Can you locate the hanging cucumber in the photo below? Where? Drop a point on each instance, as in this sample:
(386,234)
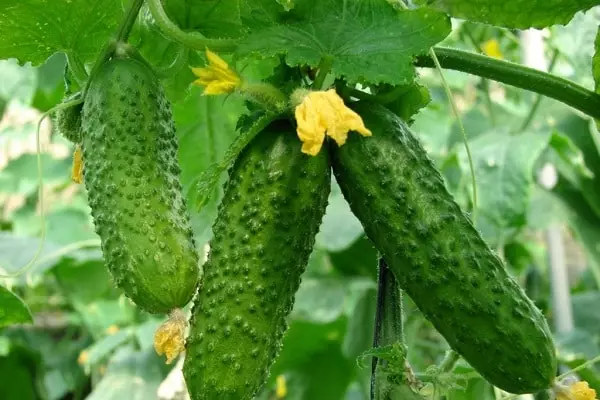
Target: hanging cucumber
(439,258)
(132,178)
(264,233)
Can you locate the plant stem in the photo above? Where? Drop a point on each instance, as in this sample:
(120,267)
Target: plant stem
(516,75)
(388,315)
(449,361)
(121,36)
(193,40)
(538,97)
(77,69)
(436,62)
(129,20)
(324,68)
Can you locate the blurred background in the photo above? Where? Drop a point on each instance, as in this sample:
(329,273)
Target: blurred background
(538,173)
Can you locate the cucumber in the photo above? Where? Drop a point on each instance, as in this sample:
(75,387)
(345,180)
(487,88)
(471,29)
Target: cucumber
(439,258)
(265,230)
(68,120)
(132,178)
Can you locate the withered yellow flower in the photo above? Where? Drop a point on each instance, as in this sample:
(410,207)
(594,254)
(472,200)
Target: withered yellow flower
(169,338)
(217,77)
(577,391)
(77,168)
(324,113)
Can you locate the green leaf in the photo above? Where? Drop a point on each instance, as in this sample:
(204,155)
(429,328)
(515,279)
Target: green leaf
(359,337)
(596,62)
(358,259)
(319,300)
(130,375)
(104,347)
(212,18)
(584,222)
(22,372)
(207,181)
(33,30)
(585,314)
(364,40)
(514,13)
(571,155)
(12,309)
(504,171)
(17,83)
(340,228)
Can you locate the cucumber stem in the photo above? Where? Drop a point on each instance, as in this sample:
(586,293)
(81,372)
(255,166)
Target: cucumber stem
(129,20)
(77,68)
(388,316)
(193,40)
(516,75)
(324,68)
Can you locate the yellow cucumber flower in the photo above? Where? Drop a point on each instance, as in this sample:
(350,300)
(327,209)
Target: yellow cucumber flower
(280,387)
(77,168)
(577,391)
(324,112)
(217,77)
(492,48)
(169,338)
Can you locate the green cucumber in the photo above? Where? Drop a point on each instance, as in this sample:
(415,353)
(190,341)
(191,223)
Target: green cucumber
(68,120)
(264,233)
(132,178)
(439,258)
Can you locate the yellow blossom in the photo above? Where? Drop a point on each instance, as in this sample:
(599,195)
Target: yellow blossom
(77,168)
(217,77)
(111,330)
(492,48)
(169,338)
(322,113)
(83,357)
(281,387)
(577,391)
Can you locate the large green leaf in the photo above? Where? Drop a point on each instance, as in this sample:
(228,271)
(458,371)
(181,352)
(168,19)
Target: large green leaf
(33,30)
(514,13)
(504,171)
(12,309)
(364,40)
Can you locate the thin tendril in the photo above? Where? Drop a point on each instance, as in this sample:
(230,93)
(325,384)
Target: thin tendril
(32,262)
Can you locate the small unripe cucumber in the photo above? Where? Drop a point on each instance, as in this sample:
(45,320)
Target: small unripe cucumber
(264,233)
(439,258)
(132,178)
(68,120)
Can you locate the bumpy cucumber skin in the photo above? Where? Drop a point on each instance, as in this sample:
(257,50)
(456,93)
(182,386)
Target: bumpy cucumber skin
(439,258)
(68,120)
(132,177)
(264,233)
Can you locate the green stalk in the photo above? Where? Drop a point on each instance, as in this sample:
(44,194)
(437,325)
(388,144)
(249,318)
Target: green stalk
(193,40)
(77,69)
(122,35)
(324,68)
(388,317)
(516,75)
